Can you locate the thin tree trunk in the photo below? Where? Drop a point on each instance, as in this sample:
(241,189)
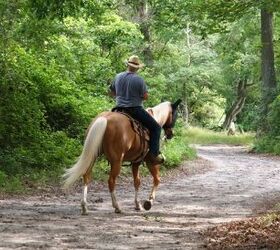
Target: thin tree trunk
(143,13)
(238,105)
(268,68)
(184,92)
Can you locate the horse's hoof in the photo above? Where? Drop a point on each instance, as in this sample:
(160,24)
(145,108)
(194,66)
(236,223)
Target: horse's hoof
(84,209)
(118,211)
(84,213)
(147,205)
(138,207)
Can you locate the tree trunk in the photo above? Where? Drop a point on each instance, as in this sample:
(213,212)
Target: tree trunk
(185,112)
(237,105)
(184,107)
(145,30)
(268,69)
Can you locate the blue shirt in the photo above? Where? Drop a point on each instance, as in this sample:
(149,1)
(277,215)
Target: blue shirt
(129,89)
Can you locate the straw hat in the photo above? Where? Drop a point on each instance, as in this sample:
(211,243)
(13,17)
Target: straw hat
(134,62)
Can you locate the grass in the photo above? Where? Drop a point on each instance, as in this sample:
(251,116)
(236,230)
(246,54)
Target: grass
(205,136)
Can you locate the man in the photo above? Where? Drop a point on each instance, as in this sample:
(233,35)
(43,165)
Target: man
(130,90)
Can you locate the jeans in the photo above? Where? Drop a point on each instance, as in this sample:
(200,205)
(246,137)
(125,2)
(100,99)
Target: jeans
(141,115)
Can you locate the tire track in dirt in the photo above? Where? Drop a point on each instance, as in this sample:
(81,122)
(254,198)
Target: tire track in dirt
(224,184)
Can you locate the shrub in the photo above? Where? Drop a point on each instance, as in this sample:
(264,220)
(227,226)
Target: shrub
(270,143)
(177,149)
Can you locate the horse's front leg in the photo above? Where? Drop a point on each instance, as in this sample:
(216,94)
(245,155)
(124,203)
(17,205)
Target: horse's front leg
(154,170)
(136,178)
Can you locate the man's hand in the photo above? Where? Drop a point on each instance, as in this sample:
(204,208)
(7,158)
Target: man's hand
(145,97)
(111,93)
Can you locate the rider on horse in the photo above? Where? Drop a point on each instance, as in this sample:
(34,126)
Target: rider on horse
(130,90)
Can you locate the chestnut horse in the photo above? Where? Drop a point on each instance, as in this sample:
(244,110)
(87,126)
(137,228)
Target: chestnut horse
(111,134)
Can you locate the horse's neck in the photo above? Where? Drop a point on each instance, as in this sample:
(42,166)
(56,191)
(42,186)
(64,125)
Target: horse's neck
(160,113)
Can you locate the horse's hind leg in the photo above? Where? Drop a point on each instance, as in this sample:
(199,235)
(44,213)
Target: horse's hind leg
(136,178)
(87,177)
(154,170)
(115,171)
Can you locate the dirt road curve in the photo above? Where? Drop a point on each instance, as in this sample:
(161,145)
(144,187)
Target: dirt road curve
(224,184)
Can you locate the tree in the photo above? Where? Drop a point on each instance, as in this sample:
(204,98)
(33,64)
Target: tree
(238,104)
(268,67)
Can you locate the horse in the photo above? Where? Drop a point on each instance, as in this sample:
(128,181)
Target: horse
(111,134)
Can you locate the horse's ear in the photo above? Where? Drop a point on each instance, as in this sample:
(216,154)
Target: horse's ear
(175,104)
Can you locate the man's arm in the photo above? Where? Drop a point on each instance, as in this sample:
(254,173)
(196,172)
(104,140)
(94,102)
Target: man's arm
(144,89)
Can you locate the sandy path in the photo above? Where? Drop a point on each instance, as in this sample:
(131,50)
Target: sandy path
(225,184)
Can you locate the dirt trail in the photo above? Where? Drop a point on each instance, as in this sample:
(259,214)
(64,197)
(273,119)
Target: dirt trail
(224,184)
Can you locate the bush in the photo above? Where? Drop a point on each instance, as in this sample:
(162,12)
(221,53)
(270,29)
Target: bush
(270,143)
(177,149)
(47,151)
(10,184)
(274,118)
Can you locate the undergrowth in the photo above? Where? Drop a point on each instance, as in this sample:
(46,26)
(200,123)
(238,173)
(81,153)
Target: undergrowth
(268,144)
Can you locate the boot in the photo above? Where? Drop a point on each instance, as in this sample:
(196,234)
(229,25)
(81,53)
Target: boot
(159,159)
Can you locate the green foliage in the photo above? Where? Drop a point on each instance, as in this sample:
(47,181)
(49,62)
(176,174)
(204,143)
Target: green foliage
(238,51)
(48,151)
(55,71)
(61,9)
(270,143)
(274,118)
(10,184)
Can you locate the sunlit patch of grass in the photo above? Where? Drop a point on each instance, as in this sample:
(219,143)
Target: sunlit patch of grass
(205,136)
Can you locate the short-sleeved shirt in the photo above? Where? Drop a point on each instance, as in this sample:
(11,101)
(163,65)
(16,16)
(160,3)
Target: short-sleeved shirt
(129,89)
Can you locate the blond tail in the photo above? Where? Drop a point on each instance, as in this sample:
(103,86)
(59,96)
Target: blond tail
(91,150)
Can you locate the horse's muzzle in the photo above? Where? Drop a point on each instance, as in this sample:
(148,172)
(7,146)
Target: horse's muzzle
(168,133)
(169,136)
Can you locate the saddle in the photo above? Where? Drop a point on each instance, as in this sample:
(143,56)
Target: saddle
(139,129)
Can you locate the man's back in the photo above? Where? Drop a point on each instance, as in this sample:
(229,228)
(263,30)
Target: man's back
(129,89)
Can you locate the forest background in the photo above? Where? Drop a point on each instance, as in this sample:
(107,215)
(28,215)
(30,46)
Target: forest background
(59,57)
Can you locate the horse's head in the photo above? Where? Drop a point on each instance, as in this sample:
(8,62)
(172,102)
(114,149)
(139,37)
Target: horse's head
(170,122)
